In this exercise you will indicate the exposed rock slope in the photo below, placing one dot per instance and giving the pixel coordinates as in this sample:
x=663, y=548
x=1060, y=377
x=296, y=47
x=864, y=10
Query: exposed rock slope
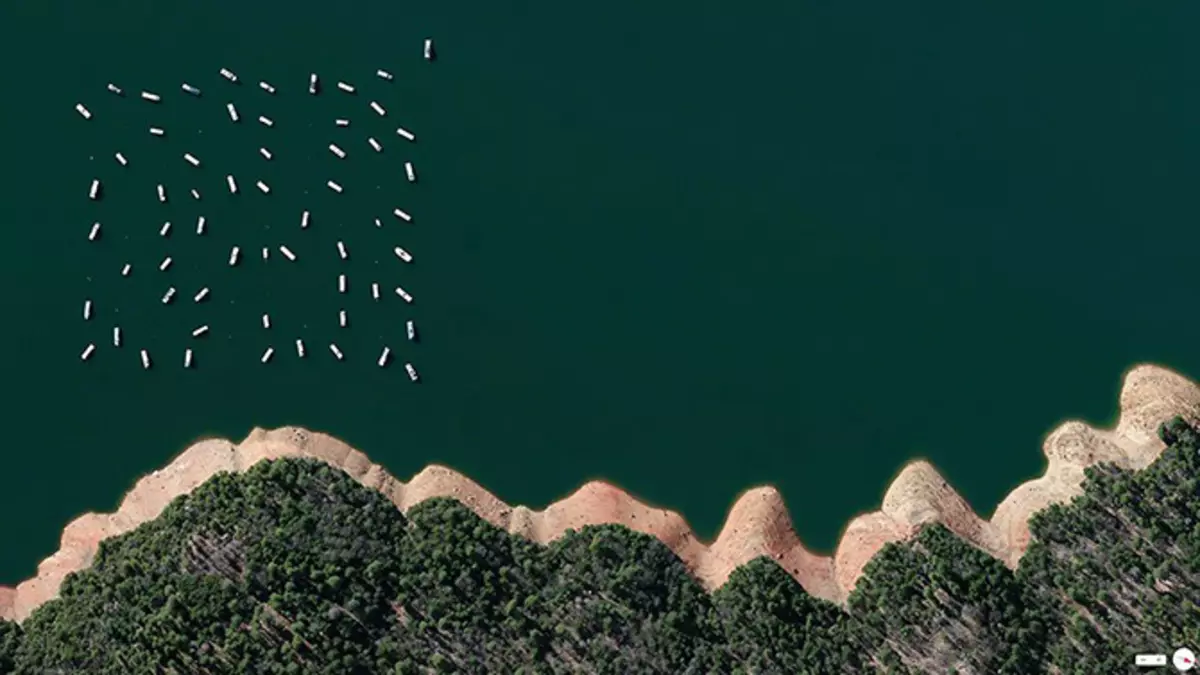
x=758, y=524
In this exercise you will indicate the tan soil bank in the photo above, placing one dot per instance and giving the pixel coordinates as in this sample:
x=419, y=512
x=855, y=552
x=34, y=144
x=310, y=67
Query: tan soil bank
x=758, y=523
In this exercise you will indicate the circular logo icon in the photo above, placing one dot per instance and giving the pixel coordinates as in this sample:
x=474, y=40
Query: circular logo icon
x=1184, y=660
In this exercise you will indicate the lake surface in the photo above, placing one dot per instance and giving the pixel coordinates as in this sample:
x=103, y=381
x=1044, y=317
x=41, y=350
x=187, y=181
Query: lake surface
x=683, y=247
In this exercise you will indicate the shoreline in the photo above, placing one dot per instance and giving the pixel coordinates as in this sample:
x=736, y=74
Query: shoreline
x=757, y=524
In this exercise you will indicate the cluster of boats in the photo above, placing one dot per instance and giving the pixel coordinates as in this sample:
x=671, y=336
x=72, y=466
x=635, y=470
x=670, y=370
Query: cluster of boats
x=96, y=189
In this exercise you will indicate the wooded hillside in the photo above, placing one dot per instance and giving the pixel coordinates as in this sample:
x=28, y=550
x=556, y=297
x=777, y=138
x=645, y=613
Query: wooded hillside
x=292, y=567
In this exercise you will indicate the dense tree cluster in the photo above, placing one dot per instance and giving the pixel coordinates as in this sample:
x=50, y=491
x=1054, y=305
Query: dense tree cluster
x=292, y=567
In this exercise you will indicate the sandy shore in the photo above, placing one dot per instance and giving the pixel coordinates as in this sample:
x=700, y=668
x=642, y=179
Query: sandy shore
x=758, y=524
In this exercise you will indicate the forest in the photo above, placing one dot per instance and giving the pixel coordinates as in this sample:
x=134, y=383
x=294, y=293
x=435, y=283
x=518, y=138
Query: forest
x=293, y=567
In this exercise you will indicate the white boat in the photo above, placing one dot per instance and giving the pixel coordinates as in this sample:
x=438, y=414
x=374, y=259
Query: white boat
x=195, y=194
x=336, y=352
x=384, y=75
x=312, y=83
x=265, y=153
x=165, y=230
x=341, y=247
x=378, y=108
x=191, y=159
x=162, y=266
x=375, y=291
x=402, y=215
x=383, y=357
x=266, y=121
x=412, y=372
x=115, y=89
x=429, y=53
x=341, y=283
x=116, y=336
x=231, y=183
x=87, y=352
x=233, y=255
x=228, y=74
x=264, y=187
x=342, y=123
x=87, y=310
x=375, y=144
x=401, y=131
x=404, y=294
x=187, y=358
x=168, y=296
x=412, y=329
x=145, y=360
x=378, y=223
x=287, y=253
x=157, y=131
x=262, y=84
x=300, y=348
x=94, y=191
x=341, y=154
x=190, y=89
x=121, y=159
x=151, y=96
x=342, y=318
x=126, y=270
x=266, y=253
x=94, y=234
x=266, y=320
x=83, y=111
x=200, y=225
x=201, y=295
x=402, y=254
x=304, y=220
x=233, y=113
x=200, y=331
x=349, y=89
x=162, y=193
x=267, y=354
x=412, y=174
x=334, y=186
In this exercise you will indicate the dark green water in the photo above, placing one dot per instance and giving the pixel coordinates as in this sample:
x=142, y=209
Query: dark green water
x=684, y=247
